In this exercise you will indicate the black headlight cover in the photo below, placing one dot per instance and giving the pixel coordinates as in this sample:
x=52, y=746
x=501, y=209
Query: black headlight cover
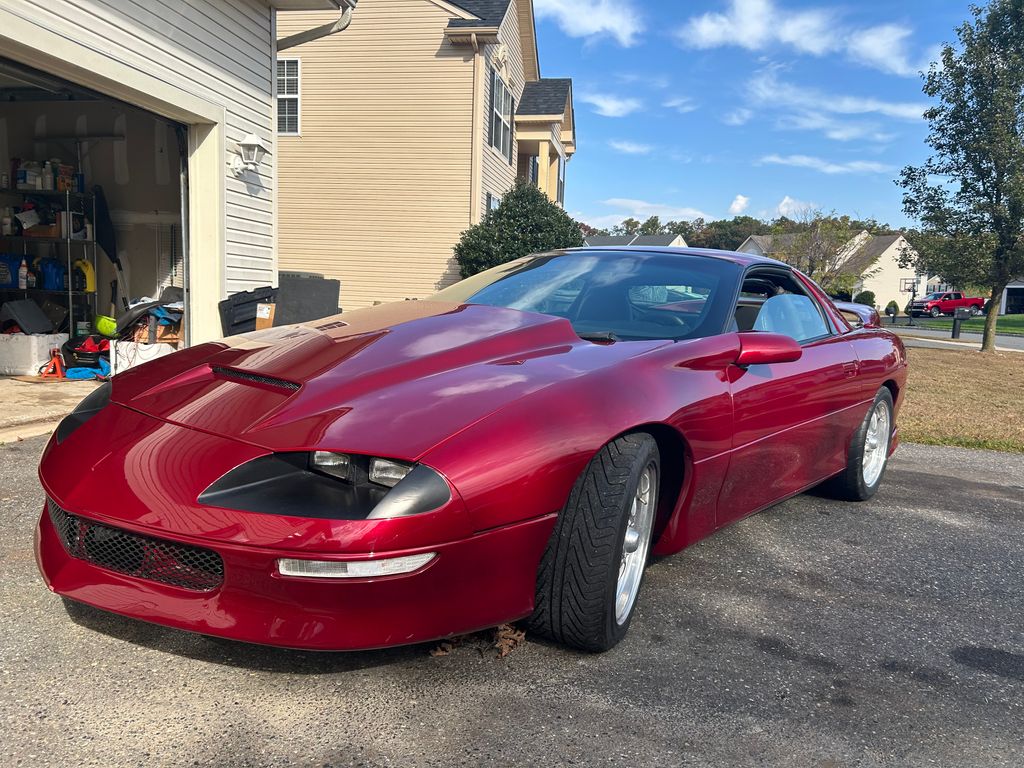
x=91, y=404
x=285, y=484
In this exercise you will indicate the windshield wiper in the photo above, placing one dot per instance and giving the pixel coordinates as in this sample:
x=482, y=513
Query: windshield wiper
x=605, y=336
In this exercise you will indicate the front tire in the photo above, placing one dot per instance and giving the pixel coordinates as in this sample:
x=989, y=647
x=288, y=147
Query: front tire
x=936, y=312
x=592, y=569
x=868, y=454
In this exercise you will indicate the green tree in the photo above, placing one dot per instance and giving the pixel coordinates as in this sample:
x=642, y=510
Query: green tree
x=969, y=195
x=525, y=222
x=629, y=226
x=651, y=227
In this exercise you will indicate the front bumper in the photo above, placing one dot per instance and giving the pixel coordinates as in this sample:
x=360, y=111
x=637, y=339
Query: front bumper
x=474, y=583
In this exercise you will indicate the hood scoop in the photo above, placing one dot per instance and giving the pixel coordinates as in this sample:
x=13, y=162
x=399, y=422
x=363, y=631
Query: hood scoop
x=248, y=377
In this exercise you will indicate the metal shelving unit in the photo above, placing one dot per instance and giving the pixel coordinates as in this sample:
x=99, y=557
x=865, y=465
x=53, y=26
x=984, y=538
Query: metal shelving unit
x=85, y=205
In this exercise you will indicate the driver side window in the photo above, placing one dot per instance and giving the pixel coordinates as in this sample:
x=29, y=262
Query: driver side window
x=775, y=302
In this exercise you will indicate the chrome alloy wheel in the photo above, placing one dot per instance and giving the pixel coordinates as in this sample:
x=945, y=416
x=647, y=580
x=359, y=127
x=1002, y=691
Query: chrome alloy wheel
x=876, y=443
x=636, y=542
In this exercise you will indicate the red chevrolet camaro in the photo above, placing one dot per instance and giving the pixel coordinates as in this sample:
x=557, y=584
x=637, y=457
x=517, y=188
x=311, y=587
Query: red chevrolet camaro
x=514, y=447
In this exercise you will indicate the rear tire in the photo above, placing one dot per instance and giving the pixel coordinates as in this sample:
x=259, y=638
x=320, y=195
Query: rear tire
x=592, y=569
x=868, y=454
x=976, y=311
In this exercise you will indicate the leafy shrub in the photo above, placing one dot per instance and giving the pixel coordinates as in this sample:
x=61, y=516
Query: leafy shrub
x=865, y=297
x=525, y=222
x=892, y=308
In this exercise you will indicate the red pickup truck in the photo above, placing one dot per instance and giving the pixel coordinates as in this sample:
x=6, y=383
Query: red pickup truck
x=945, y=303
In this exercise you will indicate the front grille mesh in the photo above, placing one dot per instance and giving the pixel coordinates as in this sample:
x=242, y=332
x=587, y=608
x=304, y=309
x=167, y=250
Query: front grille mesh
x=180, y=565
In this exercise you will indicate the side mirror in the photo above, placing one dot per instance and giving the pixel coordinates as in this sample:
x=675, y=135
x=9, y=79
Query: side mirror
x=759, y=348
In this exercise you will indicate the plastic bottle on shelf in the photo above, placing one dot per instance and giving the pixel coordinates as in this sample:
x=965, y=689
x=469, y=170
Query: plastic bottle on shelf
x=23, y=276
x=47, y=176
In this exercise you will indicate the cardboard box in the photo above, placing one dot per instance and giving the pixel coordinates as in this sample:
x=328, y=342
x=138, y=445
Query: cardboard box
x=264, y=316
x=43, y=230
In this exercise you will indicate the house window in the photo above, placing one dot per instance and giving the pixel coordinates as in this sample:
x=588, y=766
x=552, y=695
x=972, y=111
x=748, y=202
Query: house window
x=561, y=180
x=502, y=108
x=493, y=201
x=534, y=169
x=288, y=96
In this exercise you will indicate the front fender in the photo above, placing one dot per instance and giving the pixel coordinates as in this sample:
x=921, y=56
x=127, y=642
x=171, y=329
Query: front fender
x=521, y=461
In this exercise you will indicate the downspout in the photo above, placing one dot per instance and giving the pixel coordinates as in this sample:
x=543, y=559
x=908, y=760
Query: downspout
x=346, y=6
x=476, y=170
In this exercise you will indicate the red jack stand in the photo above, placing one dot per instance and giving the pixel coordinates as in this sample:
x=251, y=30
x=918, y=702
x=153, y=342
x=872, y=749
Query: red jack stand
x=55, y=368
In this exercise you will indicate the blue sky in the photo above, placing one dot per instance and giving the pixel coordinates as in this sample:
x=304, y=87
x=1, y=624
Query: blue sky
x=716, y=107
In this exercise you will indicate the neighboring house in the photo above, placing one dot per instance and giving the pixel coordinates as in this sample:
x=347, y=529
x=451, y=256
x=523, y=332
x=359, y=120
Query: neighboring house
x=153, y=94
x=1013, y=299
x=663, y=241
x=402, y=132
x=872, y=260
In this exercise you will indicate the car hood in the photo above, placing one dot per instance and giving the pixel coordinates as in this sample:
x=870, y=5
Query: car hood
x=393, y=380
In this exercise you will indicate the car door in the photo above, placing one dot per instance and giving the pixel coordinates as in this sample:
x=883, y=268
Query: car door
x=792, y=420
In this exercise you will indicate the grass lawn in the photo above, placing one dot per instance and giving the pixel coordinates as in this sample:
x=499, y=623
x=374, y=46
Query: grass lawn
x=964, y=398
x=1010, y=324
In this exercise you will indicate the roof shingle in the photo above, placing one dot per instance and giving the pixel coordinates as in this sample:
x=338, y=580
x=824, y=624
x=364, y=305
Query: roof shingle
x=489, y=13
x=547, y=96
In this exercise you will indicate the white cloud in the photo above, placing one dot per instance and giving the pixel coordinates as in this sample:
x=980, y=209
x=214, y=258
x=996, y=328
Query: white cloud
x=759, y=24
x=739, y=205
x=612, y=106
x=768, y=90
x=654, y=82
x=826, y=166
x=681, y=104
x=594, y=18
x=630, y=147
x=738, y=116
x=837, y=130
x=791, y=207
x=642, y=209
x=885, y=47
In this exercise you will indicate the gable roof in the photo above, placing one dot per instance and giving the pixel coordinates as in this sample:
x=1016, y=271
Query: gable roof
x=771, y=243
x=863, y=258
x=648, y=240
x=548, y=96
x=489, y=13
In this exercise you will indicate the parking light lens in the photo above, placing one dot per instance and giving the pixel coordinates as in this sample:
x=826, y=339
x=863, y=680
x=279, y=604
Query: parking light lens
x=353, y=569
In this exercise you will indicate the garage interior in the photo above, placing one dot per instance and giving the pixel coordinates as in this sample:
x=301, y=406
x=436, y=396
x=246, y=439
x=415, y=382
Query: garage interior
x=92, y=254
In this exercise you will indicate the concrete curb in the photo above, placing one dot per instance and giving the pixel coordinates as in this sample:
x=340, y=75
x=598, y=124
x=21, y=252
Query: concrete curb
x=24, y=431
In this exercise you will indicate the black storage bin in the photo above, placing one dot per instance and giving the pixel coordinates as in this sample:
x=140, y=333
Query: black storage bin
x=73, y=359
x=238, y=311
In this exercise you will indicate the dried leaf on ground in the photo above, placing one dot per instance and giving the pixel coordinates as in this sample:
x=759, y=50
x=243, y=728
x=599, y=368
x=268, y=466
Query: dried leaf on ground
x=507, y=638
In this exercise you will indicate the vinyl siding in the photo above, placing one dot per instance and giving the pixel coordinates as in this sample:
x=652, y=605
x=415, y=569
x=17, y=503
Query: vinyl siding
x=885, y=276
x=498, y=173
x=218, y=50
x=376, y=189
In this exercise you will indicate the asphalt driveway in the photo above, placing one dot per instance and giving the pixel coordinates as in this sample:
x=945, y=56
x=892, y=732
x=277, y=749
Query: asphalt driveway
x=815, y=634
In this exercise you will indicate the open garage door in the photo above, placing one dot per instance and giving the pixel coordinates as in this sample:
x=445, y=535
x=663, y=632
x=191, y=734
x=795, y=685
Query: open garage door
x=94, y=203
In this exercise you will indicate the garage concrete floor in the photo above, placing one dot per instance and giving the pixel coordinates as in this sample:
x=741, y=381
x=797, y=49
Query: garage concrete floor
x=815, y=634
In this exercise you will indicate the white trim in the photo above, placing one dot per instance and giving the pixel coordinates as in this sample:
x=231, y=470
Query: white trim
x=297, y=96
x=499, y=110
x=454, y=10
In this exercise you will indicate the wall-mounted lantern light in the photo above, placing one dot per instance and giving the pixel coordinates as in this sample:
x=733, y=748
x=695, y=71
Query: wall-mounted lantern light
x=251, y=151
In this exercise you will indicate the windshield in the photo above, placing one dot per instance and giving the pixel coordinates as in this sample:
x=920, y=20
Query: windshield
x=630, y=295
x=934, y=296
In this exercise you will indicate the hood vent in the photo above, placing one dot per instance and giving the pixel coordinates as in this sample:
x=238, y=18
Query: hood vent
x=245, y=377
